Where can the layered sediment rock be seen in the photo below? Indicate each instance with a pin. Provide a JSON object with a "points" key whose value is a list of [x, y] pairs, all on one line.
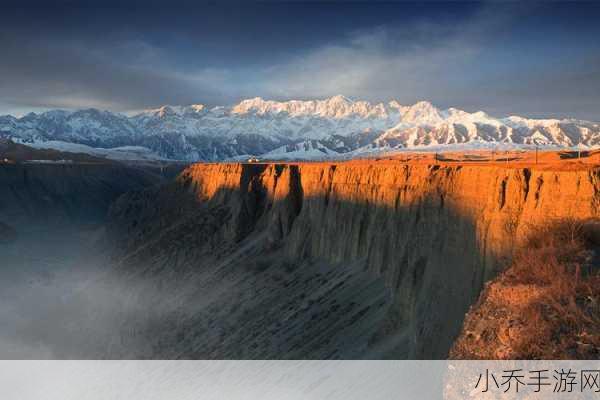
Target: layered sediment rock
{"points": [[433, 234]]}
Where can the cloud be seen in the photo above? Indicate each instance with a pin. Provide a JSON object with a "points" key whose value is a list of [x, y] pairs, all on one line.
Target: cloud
{"points": [[468, 65], [369, 67], [422, 60], [70, 74], [474, 61], [558, 90], [122, 71]]}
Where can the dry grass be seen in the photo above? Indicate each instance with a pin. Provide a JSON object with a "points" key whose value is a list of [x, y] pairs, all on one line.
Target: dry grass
{"points": [[546, 305], [565, 321], [558, 250]]}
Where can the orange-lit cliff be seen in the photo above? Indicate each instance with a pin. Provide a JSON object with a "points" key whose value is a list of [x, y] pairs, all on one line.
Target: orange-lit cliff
{"points": [[433, 233]]}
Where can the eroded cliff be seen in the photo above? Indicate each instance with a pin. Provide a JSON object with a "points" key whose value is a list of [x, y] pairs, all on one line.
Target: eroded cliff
{"points": [[430, 235]]}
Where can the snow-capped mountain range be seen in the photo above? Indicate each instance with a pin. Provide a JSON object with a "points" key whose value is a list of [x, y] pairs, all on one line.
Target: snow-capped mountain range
{"points": [[329, 128]]}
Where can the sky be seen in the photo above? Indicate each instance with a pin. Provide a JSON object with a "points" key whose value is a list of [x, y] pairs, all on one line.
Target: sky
{"points": [[535, 59]]}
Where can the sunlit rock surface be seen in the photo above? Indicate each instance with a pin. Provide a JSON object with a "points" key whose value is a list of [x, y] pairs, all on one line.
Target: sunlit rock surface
{"points": [[257, 246]]}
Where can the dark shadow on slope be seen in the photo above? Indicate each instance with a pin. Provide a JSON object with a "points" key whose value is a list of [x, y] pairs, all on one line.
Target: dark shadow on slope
{"points": [[236, 290], [51, 222], [245, 275], [44, 193]]}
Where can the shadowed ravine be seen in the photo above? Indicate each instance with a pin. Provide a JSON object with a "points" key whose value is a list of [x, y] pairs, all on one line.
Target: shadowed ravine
{"points": [[51, 219]]}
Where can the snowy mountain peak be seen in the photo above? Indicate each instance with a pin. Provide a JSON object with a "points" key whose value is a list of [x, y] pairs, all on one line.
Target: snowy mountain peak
{"points": [[515, 120], [161, 112], [423, 105], [339, 99], [52, 114], [394, 104], [337, 107], [422, 112], [170, 111], [313, 128], [256, 104], [194, 108]]}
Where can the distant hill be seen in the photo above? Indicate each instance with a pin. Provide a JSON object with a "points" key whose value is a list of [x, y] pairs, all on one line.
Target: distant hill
{"points": [[17, 152]]}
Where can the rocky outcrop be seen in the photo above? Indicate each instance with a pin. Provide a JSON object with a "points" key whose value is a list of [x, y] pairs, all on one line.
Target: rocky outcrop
{"points": [[545, 305], [432, 234]]}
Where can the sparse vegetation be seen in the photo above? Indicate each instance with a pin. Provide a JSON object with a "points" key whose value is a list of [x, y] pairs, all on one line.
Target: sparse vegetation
{"points": [[545, 305]]}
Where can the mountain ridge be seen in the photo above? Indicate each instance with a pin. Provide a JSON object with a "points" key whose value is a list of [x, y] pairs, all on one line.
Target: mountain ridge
{"points": [[342, 127]]}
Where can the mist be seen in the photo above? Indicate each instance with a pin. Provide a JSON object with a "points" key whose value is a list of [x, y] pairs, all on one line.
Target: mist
{"points": [[59, 299]]}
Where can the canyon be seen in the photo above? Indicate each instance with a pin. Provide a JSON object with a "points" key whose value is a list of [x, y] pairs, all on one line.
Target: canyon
{"points": [[358, 259], [301, 260]]}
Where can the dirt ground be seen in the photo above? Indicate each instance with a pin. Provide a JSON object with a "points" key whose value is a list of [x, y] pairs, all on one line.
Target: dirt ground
{"points": [[562, 160], [553, 160]]}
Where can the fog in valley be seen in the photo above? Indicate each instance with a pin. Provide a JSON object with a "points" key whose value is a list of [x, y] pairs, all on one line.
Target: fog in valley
{"points": [[50, 307], [76, 282]]}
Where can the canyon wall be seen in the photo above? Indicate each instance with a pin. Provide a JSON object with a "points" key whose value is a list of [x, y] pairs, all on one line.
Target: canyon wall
{"points": [[432, 233]]}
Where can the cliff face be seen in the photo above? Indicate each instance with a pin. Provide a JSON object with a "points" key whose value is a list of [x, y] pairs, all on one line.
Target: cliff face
{"points": [[431, 234]]}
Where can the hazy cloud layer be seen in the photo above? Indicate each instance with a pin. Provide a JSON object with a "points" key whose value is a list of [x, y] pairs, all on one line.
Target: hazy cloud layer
{"points": [[501, 58], [54, 73]]}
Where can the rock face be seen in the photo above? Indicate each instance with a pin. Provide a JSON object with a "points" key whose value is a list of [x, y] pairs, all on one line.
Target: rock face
{"points": [[428, 235]]}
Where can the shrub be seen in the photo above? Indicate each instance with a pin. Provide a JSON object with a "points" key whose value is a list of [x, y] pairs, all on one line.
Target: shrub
{"points": [[546, 305], [564, 322]]}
